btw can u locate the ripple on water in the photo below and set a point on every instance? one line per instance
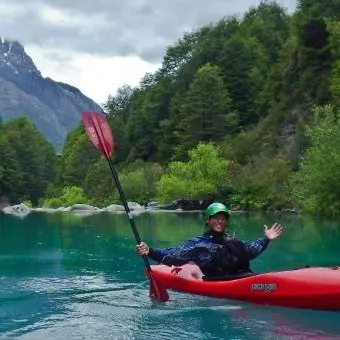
(95, 307)
(103, 307)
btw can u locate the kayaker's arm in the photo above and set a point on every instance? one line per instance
(255, 248)
(158, 254)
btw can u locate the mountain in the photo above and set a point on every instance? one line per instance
(54, 107)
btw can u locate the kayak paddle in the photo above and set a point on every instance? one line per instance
(99, 133)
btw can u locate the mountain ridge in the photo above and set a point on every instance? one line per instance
(54, 107)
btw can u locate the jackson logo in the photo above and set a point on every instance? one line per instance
(264, 287)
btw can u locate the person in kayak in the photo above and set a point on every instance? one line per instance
(214, 252)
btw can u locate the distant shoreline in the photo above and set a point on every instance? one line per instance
(86, 209)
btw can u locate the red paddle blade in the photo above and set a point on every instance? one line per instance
(99, 132)
(157, 290)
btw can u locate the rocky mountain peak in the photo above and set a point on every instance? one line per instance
(54, 107)
(14, 58)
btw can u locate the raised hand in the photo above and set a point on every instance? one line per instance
(274, 232)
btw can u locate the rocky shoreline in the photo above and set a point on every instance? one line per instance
(136, 208)
(86, 209)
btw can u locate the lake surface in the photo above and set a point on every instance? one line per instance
(65, 276)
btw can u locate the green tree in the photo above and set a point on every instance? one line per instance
(78, 154)
(267, 23)
(70, 195)
(144, 128)
(179, 54)
(243, 64)
(205, 113)
(119, 104)
(36, 158)
(315, 187)
(204, 176)
(262, 183)
(139, 180)
(122, 144)
(98, 183)
(334, 29)
(10, 172)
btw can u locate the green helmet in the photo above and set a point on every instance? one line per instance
(216, 208)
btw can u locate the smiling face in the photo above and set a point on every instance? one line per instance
(218, 222)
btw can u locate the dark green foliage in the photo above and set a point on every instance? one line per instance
(205, 114)
(204, 176)
(334, 40)
(261, 184)
(268, 24)
(70, 195)
(78, 154)
(139, 181)
(316, 187)
(119, 105)
(98, 184)
(10, 174)
(27, 161)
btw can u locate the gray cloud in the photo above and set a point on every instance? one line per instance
(114, 28)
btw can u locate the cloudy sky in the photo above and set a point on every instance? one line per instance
(100, 45)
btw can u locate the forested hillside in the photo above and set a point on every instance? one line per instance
(27, 161)
(242, 110)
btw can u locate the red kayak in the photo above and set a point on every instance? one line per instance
(312, 287)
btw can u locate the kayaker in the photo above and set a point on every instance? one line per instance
(214, 252)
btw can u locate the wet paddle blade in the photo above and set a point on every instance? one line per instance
(99, 132)
(157, 290)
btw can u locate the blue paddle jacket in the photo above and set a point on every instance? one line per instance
(201, 249)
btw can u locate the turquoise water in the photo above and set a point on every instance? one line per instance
(64, 276)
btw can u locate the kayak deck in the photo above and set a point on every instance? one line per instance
(312, 288)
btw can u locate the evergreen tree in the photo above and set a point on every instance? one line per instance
(78, 155)
(315, 187)
(35, 156)
(205, 113)
(10, 172)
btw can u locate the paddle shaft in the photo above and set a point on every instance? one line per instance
(127, 210)
(99, 133)
(107, 152)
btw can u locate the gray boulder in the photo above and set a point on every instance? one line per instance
(135, 206)
(83, 207)
(114, 208)
(18, 210)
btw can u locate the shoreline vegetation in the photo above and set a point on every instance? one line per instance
(245, 111)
